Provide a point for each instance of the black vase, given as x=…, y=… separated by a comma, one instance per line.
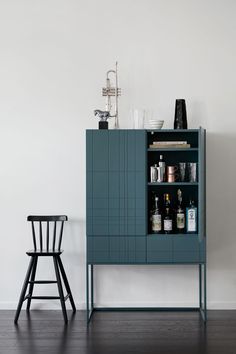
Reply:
x=180, y=115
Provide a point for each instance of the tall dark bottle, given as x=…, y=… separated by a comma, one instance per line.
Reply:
x=168, y=218
x=180, y=214
x=180, y=115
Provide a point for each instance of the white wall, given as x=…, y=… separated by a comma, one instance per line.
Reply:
x=53, y=59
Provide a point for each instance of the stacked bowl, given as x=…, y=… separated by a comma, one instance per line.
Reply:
x=155, y=124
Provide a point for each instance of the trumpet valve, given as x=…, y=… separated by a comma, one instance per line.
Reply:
x=111, y=91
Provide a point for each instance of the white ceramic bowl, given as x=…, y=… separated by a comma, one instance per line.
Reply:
x=155, y=124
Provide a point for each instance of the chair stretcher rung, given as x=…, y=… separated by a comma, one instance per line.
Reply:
x=43, y=282
x=42, y=297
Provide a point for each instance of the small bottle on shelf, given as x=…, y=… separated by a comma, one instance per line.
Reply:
x=191, y=217
x=180, y=215
x=168, y=220
x=156, y=217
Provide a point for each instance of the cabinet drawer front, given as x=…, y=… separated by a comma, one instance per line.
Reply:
x=159, y=257
x=98, y=250
x=125, y=249
x=186, y=243
x=185, y=248
x=185, y=256
x=159, y=243
x=159, y=249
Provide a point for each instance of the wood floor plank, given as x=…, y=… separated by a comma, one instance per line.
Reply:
x=118, y=332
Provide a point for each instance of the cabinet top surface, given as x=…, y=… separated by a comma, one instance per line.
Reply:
x=153, y=130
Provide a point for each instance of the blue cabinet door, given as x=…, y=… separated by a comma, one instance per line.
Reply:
x=116, y=195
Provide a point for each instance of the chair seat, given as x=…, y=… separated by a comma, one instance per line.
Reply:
x=44, y=252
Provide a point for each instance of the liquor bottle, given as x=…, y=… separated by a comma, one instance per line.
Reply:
x=162, y=166
x=156, y=217
x=191, y=216
x=180, y=215
x=168, y=221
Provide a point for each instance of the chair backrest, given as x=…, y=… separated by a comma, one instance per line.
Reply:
x=45, y=242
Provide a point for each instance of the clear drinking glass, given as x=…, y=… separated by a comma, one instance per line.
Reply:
x=192, y=171
x=138, y=117
x=182, y=171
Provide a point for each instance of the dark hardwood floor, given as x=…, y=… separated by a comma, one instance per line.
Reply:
x=118, y=332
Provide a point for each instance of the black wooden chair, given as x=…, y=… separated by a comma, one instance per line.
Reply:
x=51, y=248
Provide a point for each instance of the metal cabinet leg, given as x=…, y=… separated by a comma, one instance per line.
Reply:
x=89, y=291
x=200, y=286
x=203, y=291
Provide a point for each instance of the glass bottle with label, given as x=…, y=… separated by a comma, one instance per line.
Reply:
x=191, y=218
x=156, y=217
x=168, y=220
x=180, y=215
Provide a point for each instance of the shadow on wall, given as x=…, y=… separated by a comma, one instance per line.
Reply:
x=75, y=239
x=75, y=256
x=221, y=196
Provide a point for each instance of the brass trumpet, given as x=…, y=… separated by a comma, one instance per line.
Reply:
x=112, y=91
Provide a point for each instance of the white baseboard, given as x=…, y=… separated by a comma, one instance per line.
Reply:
x=82, y=306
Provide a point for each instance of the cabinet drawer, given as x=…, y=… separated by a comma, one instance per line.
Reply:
x=159, y=249
x=125, y=249
x=186, y=243
x=185, y=248
x=98, y=250
x=186, y=256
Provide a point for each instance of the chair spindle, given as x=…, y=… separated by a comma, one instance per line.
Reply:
x=54, y=235
x=41, y=235
x=60, y=238
x=47, y=235
x=33, y=233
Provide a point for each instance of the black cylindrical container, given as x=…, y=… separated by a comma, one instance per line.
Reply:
x=180, y=115
x=102, y=124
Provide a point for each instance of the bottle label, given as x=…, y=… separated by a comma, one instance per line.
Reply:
x=156, y=223
x=167, y=225
x=192, y=222
x=180, y=221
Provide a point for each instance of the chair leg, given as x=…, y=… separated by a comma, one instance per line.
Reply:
x=24, y=288
x=60, y=289
x=32, y=278
x=67, y=286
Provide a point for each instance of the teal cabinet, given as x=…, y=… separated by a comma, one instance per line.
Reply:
x=118, y=197
x=119, y=201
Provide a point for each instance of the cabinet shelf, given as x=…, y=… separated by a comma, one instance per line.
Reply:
x=172, y=149
x=172, y=183
x=172, y=235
